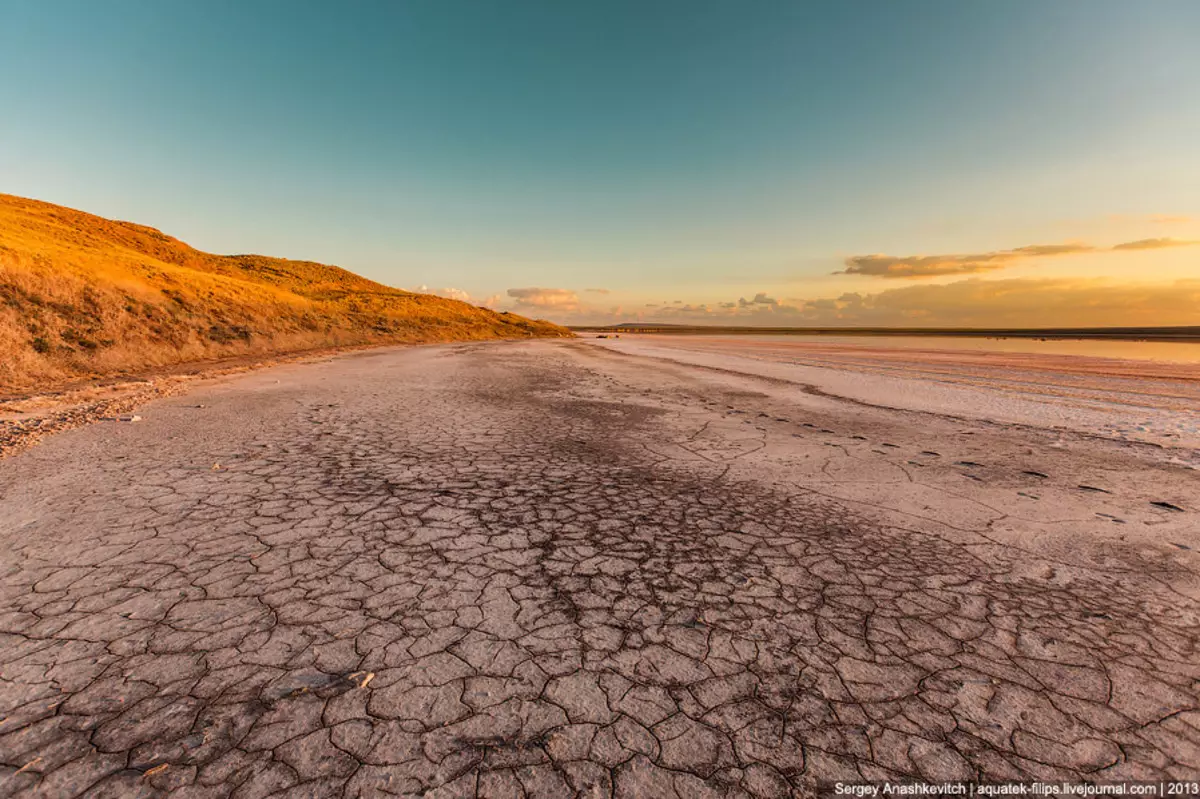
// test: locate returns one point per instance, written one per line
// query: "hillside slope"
(83, 296)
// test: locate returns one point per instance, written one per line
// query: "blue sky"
(662, 151)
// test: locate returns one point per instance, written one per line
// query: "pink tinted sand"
(1148, 401)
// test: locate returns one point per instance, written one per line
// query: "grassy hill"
(82, 296)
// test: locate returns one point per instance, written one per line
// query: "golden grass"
(82, 296)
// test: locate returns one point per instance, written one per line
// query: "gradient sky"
(673, 155)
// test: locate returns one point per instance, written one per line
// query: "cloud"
(919, 266)
(971, 302)
(759, 299)
(916, 266)
(1171, 219)
(1033, 303)
(492, 301)
(1014, 302)
(1153, 244)
(448, 293)
(545, 299)
(598, 291)
(1038, 250)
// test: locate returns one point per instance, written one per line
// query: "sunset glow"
(1018, 163)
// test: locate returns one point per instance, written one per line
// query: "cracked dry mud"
(544, 569)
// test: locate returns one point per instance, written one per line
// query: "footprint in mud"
(806, 424)
(1032, 473)
(890, 446)
(1031, 496)
(931, 453)
(1094, 489)
(968, 463)
(976, 478)
(1167, 506)
(823, 430)
(1181, 546)
(859, 438)
(916, 463)
(1111, 518)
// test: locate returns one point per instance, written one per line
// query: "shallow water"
(1125, 390)
(1164, 351)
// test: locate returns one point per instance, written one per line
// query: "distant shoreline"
(1181, 334)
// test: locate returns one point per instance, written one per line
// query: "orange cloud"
(1153, 244)
(974, 302)
(546, 299)
(1013, 303)
(919, 266)
(450, 293)
(1031, 303)
(916, 266)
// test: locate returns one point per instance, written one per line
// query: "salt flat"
(557, 568)
(1139, 400)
